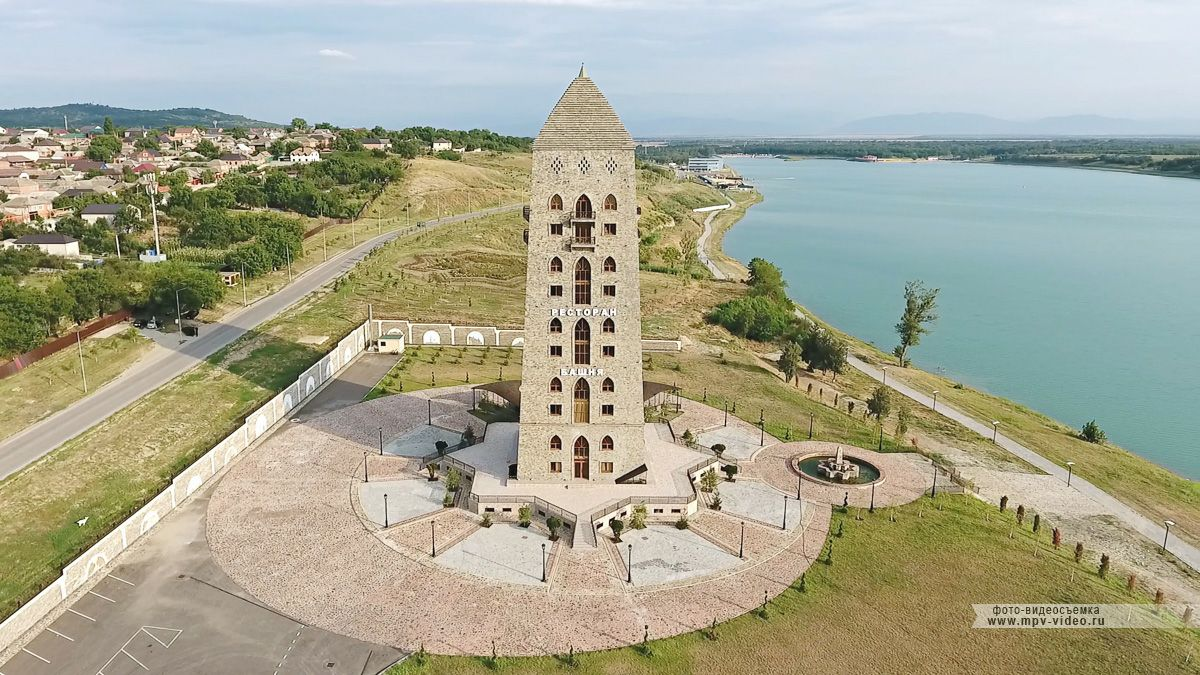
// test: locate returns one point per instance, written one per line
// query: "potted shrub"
(441, 447)
(448, 499)
(718, 449)
(682, 523)
(468, 435)
(708, 481)
(715, 504)
(453, 480)
(432, 468)
(524, 516)
(730, 471)
(552, 524)
(617, 526)
(487, 520)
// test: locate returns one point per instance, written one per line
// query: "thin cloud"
(335, 54)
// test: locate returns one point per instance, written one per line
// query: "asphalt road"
(165, 364)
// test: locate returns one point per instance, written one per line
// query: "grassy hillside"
(93, 114)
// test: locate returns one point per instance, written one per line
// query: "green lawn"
(427, 367)
(897, 599)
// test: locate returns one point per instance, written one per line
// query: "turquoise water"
(1074, 292)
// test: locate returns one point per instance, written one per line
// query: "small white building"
(51, 243)
(442, 144)
(96, 212)
(304, 156)
(705, 164)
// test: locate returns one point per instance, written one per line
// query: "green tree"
(208, 149)
(824, 351)
(791, 361)
(110, 129)
(298, 124)
(766, 279)
(198, 288)
(104, 148)
(880, 403)
(920, 310)
(1092, 433)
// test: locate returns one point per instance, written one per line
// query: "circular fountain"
(837, 469)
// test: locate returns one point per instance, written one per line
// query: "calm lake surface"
(1074, 292)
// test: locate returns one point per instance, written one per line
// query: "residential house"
(51, 243)
(47, 147)
(377, 144)
(20, 153)
(24, 208)
(28, 136)
(440, 144)
(146, 167)
(234, 161)
(145, 155)
(304, 156)
(93, 213)
(186, 136)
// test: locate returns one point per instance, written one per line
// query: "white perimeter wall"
(83, 568)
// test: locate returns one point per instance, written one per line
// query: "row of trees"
(29, 315)
(765, 313)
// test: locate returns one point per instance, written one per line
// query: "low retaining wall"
(82, 569)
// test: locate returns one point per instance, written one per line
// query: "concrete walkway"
(702, 243)
(163, 364)
(1151, 530)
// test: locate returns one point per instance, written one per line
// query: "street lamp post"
(1070, 470)
(629, 567)
(742, 542)
(179, 313)
(726, 423)
(762, 428)
(381, 441)
(366, 478)
(811, 417)
(933, 492)
(995, 427)
(433, 539)
(385, 511)
(543, 562)
(885, 376)
(872, 509)
(935, 393)
(1166, 534)
(785, 501)
(881, 435)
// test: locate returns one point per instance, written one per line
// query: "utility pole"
(179, 315)
(324, 244)
(82, 369)
(244, 284)
(152, 192)
(288, 253)
(117, 238)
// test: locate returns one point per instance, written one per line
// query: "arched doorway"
(581, 458)
(583, 402)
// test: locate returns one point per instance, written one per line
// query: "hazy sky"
(749, 66)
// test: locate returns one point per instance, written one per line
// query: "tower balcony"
(581, 243)
(584, 215)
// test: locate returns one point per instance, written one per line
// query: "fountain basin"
(809, 466)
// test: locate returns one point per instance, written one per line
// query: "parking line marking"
(102, 597)
(40, 658)
(65, 637)
(131, 656)
(121, 580)
(81, 614)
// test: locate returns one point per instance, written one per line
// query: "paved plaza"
(421, 441)
(406, 499)
(760, 502)
(740, 443)
(905, 475)
(504, 552)
(310, 548)
(663, 554)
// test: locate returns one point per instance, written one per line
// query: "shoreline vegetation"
(1153, 490)
(1174, 157)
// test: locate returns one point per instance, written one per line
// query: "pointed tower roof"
(583, 118)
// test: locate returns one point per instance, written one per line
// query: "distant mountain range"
(92, 114)
(969, 124)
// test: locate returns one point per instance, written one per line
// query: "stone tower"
(581, 383)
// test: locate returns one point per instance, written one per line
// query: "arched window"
(555, 326)
(609, 326)
(555, 385)
(583, 342)
(555, 443)
(608, 385)
(581, 456)
(583, 401)
(610, 203)
(583, 207)
(556, 264)
(606, 443)
(556, 203)
(583, 282)
(610, 265)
